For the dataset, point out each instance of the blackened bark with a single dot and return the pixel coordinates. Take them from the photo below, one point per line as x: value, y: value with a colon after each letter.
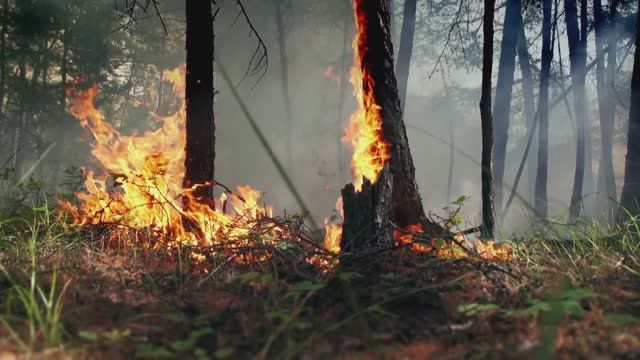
x: 504, y: 92
x: 378, y: 59
x: 200, y: 147
x: 577, y: 57
x: 529, y: 103
x: 485, y: 117
x: 403, y: 65
x: 606, y: 180
x: 284, y: 73
x: 367, y: 215
x: 543, y: 113
x: 630, y: 197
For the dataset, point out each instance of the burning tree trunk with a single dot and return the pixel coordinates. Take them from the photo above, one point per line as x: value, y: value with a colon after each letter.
x: 406, y: 48
x: 543, y: 113
x: 577, y: 58
x: 200, y: 126
x: 379, y: 136
x: 377, y: 62
x: 630, y: 199
x: 504, y: 91
x: 487, y: 123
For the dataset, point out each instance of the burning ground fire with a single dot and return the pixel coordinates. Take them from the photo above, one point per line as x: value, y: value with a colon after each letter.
x: 140, y: 185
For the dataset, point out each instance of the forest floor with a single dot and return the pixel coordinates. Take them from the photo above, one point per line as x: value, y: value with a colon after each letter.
x: 68, y: 293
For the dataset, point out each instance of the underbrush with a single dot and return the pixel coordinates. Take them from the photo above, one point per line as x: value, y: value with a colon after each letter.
x: 77, y: 292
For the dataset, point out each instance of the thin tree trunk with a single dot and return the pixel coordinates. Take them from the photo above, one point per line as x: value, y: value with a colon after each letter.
x: 577, y: 58
x: 543, y: 110
x: 631, y: 189
x: 588, y: 186
x: 284, y: 71
x: 3, y: 54
x: 344, y: 71
x: 504, y: 92
x: 377, y: 60
x: 606, y: 179
x: 18, y: 153
x: 528, y: 98
x: 485, y: 117
x: 452, y: 144
x: 405, y: 51
x: 200, y: 126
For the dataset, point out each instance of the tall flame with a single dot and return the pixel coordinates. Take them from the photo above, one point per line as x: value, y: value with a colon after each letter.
x: 364, y: 131
x: 141, y: 185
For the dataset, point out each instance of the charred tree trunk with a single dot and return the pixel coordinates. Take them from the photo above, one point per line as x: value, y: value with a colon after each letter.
x: 367, y: 215
x: 487, y: 122
x: 630, y: 198
x: 405, y: 206
x: 405, y: 51
x: 528, y: 98
x: 200, y: 146
x: 543, y: 113
x: 577, y: 58
x: 284, y: 71
x: 504, y: 92
x: 606, y: 180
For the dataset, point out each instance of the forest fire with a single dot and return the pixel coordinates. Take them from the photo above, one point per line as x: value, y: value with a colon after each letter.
x: 141, y: 185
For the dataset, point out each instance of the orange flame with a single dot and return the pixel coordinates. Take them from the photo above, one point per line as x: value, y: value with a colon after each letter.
x: 364, y: 131
x: 141, y: 185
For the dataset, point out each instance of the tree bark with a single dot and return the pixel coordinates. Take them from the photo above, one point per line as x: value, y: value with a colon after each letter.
x: 487, y: 123
x: 577, y: 57
x: 367, y: 215
x: 504, y: 92
x: 200, y: 126
x: 606, y: 179
x: 284, y: 72
x: 540, y: 194
x: 403, y: 65
x: 630, y: 197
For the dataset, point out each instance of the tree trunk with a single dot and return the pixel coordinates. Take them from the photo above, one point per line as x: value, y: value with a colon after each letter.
x: 630, y: 197
x: 378, y: 59
x: 284, y: 71
x: 344, y: 72
x: 3, y: 55
x: 504, y: 91
x: 543, y: 113
x: 606, y: 179
x: 528, y: 98
x: 367, y: 215
x: 403, y: 65
x: 200, y: 146
x: 487, y: 123
x: 577, y: 58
